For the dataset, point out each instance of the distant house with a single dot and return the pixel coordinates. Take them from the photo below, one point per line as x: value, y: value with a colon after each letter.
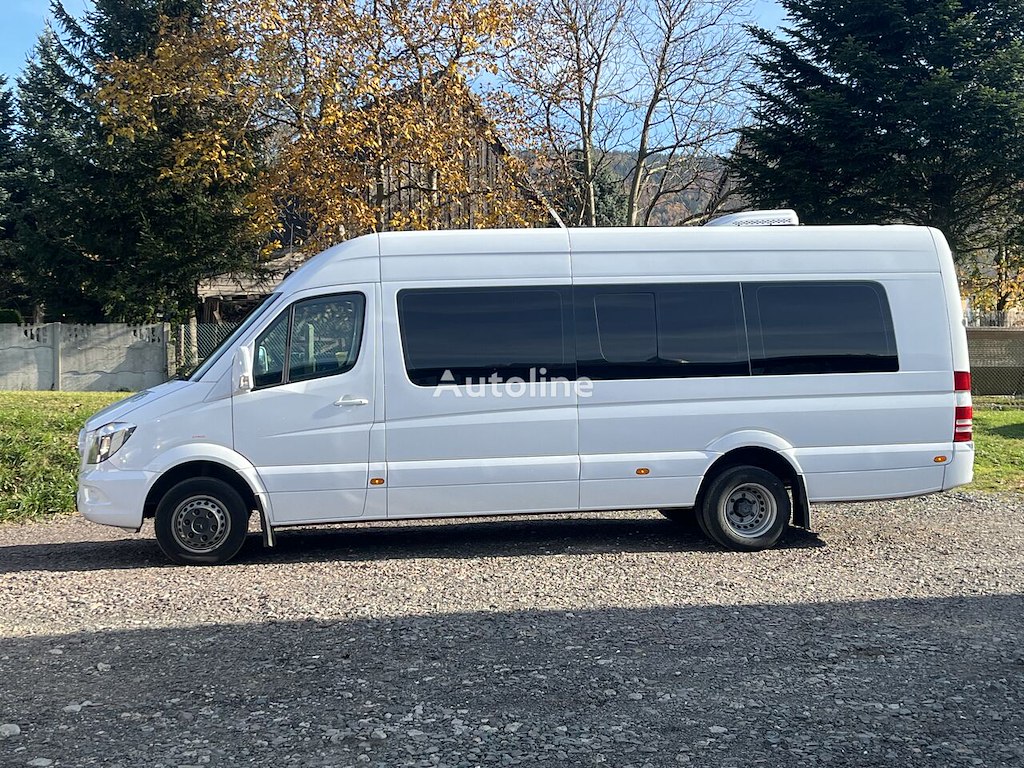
x: 227, y: 298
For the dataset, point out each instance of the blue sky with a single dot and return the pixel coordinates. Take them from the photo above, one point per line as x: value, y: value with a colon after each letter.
x: 21, y: 21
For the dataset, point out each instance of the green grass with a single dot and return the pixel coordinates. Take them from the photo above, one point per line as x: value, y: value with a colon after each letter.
x: 999, y: 446
x: 39, y: 456
x: 39, y: 452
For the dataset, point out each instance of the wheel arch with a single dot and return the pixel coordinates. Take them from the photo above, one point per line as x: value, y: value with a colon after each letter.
x: 202, y: 467
x: 769, y: 452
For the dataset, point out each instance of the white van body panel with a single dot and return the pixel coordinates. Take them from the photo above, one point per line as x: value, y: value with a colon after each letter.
x: 311, y: 449
x: 423, y: 451
x: 112, y: 496
x: 473, y: 255
x: 749, y: 252
x: 354, y: 261
x: 176, y: 422
x: 119, y: 410
x: 865, y: 422
x: 453, y: 451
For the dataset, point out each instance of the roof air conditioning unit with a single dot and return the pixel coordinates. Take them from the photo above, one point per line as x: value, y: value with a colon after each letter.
x: 783, y: 217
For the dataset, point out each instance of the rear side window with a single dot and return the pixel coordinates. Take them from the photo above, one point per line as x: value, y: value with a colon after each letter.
x: 463, y: 336
x: 660, y: 331
x: 627, y: 327
x: 818, y: 327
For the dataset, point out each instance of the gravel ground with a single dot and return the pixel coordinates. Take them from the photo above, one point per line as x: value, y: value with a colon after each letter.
x: 892, y: 636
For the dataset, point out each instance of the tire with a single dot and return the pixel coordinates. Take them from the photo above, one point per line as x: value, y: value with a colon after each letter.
x: 201, y: 521
x: 745, y: 508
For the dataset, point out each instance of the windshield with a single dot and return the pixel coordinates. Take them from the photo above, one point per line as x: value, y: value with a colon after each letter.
x: 219, y: 350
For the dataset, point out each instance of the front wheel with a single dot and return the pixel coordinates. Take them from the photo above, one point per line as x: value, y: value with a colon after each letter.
x: 201, y: 521
x: 745, y: 508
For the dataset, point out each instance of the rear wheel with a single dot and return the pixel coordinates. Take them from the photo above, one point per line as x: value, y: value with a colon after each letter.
x: 201, y: 521
x: 745, y: 508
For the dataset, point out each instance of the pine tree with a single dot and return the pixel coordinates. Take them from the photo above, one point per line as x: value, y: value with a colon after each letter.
x: 12, y: 294
x: 609, y: 196
x: 56, y: 263
x: 8, y: 153
x: 890, y: 111
x: 106, y: 232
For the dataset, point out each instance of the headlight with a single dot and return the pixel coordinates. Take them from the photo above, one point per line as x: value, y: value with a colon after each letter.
x: 107, y: 440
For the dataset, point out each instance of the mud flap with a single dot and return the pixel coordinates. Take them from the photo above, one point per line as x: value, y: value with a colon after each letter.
x: 801, y: 506
x: 268, y: 531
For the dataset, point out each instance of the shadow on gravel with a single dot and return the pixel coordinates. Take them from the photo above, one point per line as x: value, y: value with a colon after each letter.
x: 575, y: 535
x: 889, y: 682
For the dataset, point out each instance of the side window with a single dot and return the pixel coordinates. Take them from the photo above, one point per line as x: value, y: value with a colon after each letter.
x: 311, y: 339
x: 627, y: 327
x: 325, y: 336
x: 701, y: 329
x: 660, y: 331
x: 817, y: 327
x: 463, y: 336
x: 271, y: 346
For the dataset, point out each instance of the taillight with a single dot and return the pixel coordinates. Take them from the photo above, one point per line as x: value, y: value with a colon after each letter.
x: 963, y: 413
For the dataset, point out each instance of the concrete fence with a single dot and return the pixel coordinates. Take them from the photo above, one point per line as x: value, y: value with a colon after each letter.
x: 107, y: 357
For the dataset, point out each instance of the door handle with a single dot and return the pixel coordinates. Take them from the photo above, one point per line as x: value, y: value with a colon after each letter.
x: 348, y: 400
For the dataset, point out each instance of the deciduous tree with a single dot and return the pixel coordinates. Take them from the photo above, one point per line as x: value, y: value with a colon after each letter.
x: 657, y: 80
x: 368, y: 104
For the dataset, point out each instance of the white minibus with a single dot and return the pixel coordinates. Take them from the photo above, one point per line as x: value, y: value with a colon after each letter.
x: 735, y: 374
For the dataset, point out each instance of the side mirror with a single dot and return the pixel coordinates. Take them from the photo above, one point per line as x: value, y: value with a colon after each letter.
x: 242, y: 371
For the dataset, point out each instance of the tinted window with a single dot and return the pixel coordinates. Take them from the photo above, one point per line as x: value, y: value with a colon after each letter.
x: 660, y: 331
x: 317, y: 337
x: 819, y: 328
x: 700, y: 327
x: 459, y: 336
x: 627, y: 327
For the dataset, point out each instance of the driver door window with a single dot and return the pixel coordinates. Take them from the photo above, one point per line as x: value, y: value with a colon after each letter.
x: 313, y: 338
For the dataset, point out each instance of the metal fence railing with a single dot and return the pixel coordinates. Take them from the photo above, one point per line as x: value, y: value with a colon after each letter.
x: 997, y: 360
x: 193, y: 343
x: 1010, y: 318
x: 209, y: 335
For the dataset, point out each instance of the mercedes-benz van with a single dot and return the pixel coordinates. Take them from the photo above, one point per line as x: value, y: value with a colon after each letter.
x: 734, y: 373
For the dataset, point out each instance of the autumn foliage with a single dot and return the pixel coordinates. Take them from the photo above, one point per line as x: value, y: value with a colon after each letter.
x: 361, y: 109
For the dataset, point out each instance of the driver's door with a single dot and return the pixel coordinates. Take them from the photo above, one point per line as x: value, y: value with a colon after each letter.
x: 305, y: 425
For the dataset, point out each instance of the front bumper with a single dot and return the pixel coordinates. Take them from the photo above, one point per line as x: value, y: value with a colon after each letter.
x: 111, y: 496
